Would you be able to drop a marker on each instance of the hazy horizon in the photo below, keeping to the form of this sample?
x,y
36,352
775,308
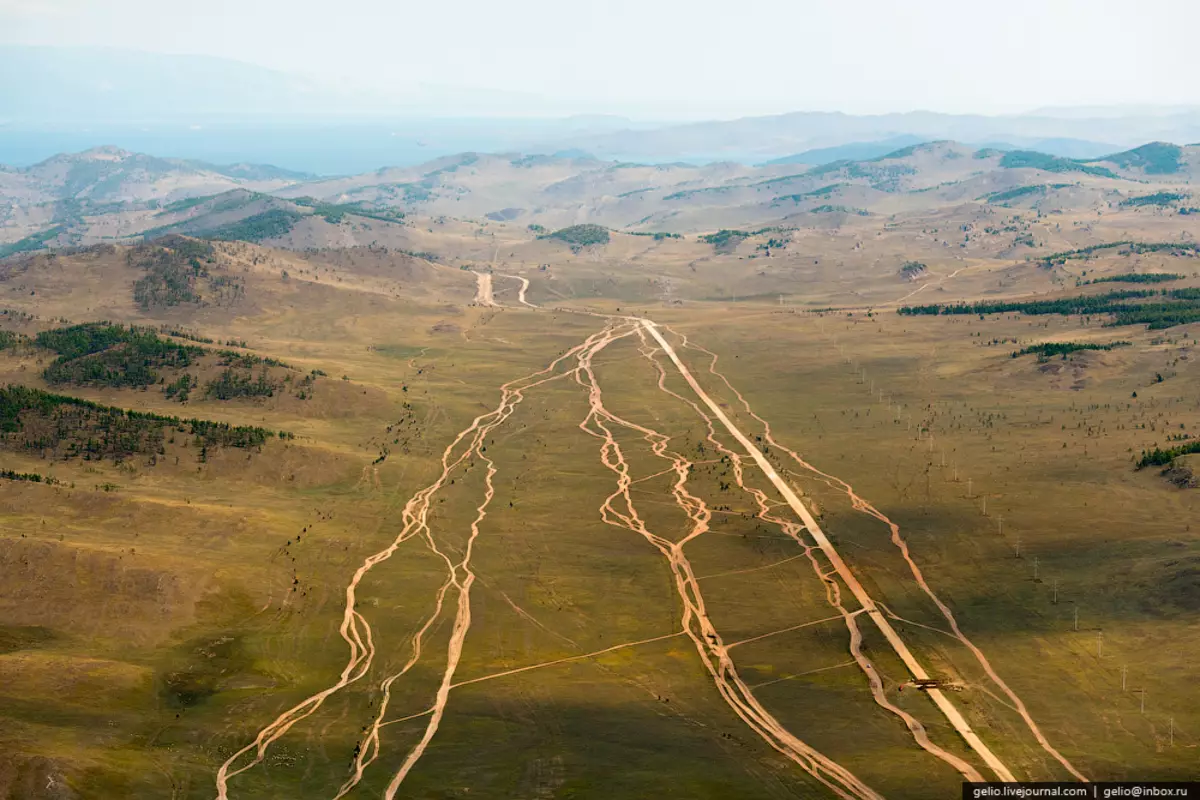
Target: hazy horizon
x,y
669,60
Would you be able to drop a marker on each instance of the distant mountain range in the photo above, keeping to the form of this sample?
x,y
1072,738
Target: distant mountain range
x,y
220,110
107,194
795,137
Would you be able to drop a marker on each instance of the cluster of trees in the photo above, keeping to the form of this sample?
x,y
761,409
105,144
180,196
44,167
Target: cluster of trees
x,y
1176,248
304,386
832,209
182,205
179,333
425,254
232,358
725,240
103,354
11,339
336,212
658,236
911,269
233,383
881,176
686,193
1157,316
1017,159
1155,158
180,388
185,248
32,477
118,356
1159,457
823,192
174,266
1177,307
1156,199
35,242
1090,304
1047,350
36,420
1022,191
1138,277
170,277
580,236
269,224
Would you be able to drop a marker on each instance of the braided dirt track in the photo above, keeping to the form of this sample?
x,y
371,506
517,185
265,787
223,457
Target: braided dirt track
x,y
865,507
952,714
615,435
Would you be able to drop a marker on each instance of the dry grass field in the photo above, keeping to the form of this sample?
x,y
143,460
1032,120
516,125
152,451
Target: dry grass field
x,y
510,551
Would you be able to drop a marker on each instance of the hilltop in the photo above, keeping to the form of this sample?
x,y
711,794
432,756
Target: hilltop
x,y
106,195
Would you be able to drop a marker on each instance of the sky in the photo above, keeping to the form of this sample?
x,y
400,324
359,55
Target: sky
x,y
679,59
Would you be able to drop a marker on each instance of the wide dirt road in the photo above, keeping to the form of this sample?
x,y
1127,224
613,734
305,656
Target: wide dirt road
x,y
952,714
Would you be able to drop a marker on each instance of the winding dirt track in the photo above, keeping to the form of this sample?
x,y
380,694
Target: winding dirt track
x,y
832,590
354,628
521,291
898,540
619,510
952,714
483,291
696,622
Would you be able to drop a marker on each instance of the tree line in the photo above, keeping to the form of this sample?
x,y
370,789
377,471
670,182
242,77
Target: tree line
x,y
1175,307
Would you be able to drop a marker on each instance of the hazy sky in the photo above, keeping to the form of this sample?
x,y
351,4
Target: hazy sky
x,y
697,58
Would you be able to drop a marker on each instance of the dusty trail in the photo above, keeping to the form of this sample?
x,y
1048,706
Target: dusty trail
x,y
833,590
354,628
370,747
566,660
865,507
619,510
521,292
462,622
918,671
483,290
927,284
696,623
461,575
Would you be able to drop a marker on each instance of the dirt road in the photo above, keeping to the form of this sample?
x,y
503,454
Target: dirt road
x,y
952,714
483,291
521,292
357,632
452,601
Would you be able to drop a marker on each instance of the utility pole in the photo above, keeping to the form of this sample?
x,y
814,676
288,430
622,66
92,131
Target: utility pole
x,y
1055,601
1124,675
1035,569
1099,644
1143,693
1000,525
1172,731
1076,617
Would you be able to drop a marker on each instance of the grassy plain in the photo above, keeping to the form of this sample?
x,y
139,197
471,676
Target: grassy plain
x,y
150,631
